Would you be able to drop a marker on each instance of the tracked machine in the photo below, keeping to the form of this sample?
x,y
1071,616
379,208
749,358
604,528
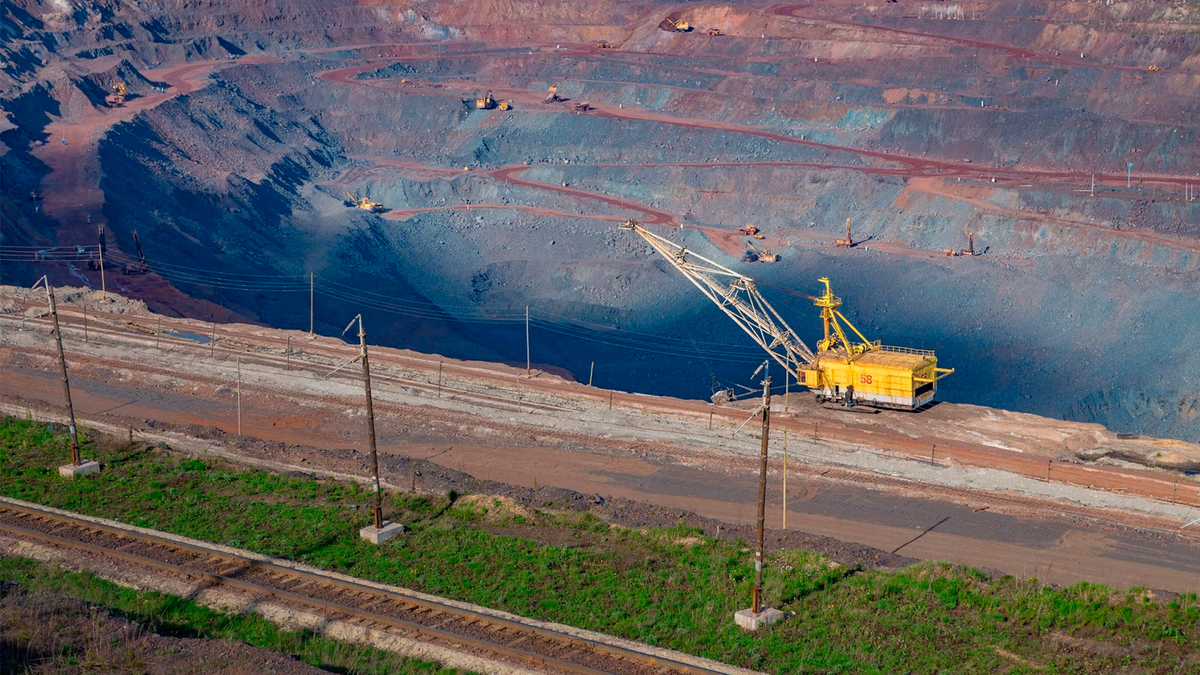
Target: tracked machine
x,y
846,367
116,98
364,203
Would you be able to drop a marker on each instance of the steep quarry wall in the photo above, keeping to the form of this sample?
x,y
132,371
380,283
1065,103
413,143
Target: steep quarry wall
x,y
920,123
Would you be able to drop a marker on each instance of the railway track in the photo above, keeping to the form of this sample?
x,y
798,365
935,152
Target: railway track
x,y
416,617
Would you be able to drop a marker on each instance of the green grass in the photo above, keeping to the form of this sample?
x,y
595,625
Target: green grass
x,y
654,586
178,617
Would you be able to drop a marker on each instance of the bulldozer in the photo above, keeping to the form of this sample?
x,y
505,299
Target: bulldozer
x,y
486,102
848,242
139,267
505,105
603,44
552,94
1153,69
714,31
117,97
365,204
748,230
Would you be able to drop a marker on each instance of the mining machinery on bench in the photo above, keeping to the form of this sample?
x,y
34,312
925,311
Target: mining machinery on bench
x,y
846,367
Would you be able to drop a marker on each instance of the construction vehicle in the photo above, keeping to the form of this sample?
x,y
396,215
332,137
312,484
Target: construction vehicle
x,y
117,97
139,267
714,31
676,25
582,106
505,105
969,250
552,94
845,368
848,242
1153,69
365,204
749,230
486,102
752,254
604,44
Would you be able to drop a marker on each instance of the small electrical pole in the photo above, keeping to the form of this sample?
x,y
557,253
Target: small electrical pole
x,y
1128,174
85,335
311,277
77,467
212,344
380,531
527,368
103,285
158,333
1093,185
591,372
239,393
289,353
758,615
439,379
785,480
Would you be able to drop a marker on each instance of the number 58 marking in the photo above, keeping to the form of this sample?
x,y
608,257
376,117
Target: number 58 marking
x,y
864,378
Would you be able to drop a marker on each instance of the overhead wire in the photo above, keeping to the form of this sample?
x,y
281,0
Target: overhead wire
x,y
548,321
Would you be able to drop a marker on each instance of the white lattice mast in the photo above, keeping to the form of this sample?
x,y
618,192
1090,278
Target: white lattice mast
x,y
736,295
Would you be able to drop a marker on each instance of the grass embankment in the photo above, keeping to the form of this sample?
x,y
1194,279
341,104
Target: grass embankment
x,y
39,645
674,587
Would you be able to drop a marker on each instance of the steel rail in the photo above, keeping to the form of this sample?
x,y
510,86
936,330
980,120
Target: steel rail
x,y
655,662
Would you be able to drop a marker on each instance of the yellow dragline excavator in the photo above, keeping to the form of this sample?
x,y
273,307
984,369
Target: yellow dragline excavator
x,y
846,367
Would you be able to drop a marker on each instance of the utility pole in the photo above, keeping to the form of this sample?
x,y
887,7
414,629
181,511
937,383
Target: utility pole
x,y
103,285
785,480
77,467
591,372
239,393
758,615
311,277
381,531
1093,185
527,368
762,494
1128,174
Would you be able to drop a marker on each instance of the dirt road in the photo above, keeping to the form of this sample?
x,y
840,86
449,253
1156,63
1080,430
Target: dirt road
x,y
859,480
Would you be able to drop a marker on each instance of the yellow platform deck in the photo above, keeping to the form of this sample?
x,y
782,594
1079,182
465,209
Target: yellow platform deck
x,y
892,377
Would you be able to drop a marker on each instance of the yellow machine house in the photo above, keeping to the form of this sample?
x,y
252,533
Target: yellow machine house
x,y
846,367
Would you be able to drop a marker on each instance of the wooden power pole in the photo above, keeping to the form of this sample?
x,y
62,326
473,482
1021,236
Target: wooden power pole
x,y
758,615
77,466
380,531
762,495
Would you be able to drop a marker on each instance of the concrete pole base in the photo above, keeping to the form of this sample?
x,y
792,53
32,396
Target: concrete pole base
x,y
746,618
81,469
379,536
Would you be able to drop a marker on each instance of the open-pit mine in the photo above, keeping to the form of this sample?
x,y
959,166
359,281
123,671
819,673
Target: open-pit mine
x,y
962,240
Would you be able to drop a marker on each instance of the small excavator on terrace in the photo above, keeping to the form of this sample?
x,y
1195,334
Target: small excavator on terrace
x,y
116,99
365,204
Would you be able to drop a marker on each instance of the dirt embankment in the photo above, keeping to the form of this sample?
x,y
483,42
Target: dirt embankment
x,y
1008,483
